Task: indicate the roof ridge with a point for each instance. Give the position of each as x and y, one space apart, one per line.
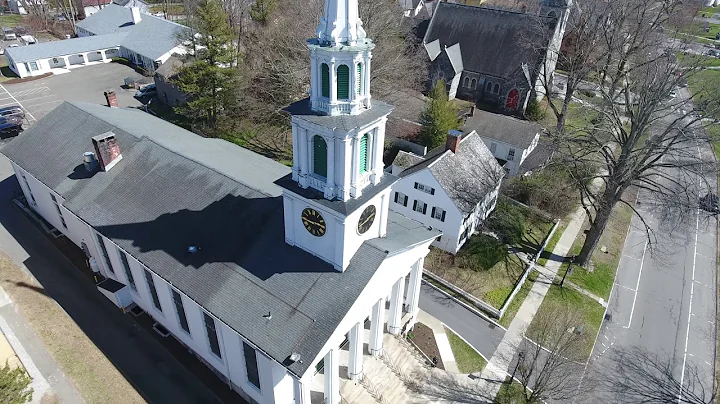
483 7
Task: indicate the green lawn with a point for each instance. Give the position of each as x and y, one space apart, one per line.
10 20
698 29
708 11
688 60
566 298
514 306
468 359
601 279
176 9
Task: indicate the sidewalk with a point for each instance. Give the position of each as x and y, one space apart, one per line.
497 369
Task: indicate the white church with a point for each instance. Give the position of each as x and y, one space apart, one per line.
262 271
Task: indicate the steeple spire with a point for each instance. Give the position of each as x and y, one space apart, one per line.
340 23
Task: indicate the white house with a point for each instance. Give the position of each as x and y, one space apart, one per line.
113 31
262 271
509 139
93 6
453 188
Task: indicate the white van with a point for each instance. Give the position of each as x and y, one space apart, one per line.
8 34
28 39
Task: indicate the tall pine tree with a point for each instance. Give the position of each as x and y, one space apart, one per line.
211 81
439 117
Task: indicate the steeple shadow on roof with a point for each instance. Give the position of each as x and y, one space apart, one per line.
238 232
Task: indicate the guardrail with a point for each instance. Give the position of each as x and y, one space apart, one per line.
467 296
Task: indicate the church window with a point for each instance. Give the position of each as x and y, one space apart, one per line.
343 82
488 87
325 72
473 83
212 336
497 89
364 154
512 99
358 79
319 156
466 82
251 365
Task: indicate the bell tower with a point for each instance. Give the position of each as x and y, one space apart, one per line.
338 140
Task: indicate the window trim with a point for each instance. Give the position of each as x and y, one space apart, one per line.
247 347
100 244
152 288
180 305
325 80
126 267
206 316
435 209
346 89
425 188
397 196
415 205
314 156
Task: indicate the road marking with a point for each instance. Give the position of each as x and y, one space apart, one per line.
37 98
692 289
47 102
632 258
28 112
637 286
625 287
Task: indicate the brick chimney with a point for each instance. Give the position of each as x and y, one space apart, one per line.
111 99
453 141
107 150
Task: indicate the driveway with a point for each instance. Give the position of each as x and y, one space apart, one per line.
85 84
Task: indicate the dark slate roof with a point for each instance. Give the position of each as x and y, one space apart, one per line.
502 128
345 123
170 68
492 41
337 205
466 176
539 157
45 50
151 37
173 189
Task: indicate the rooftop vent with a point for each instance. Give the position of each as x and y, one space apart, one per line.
192 249
90 161
294 357
267 316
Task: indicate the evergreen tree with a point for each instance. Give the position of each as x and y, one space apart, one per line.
211 80
260 11
14 385
439 117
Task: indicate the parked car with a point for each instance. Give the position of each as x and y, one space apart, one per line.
21 30
9 34
13 110
146 91
28 39
709 203
10 126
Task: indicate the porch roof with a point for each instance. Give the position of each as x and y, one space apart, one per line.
47 50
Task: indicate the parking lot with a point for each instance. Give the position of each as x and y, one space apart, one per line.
85 84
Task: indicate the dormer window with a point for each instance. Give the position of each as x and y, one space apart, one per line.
319 156
343 82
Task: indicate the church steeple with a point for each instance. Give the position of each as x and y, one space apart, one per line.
341 23
340 61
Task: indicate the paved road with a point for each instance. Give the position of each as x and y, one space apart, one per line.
484 335
663 302
151 369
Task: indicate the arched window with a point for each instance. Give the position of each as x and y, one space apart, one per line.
364 154
343 82
512 99
473 83
325 73
358 79
466 82
497 89
488 87
319 156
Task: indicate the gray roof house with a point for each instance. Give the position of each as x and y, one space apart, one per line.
509 139
113 31
453 188
499 66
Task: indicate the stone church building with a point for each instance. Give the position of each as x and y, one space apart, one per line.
487 55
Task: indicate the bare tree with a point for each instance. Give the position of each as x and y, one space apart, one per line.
638 376
638 138
549 364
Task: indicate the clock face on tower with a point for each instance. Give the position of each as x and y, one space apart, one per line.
366 219
313 222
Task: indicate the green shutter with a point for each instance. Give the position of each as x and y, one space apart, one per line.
363 154
343 82
358 79
325 71
319 156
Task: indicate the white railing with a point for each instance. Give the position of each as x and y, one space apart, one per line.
320 104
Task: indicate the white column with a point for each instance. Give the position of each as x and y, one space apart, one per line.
305 148
355 158
296 152
85 59
371 151
377 327
333 83
330 184
314 94
366 72
102 52
413 295
346 150
332 377
379 149
67 62
352 67
355 366
396 304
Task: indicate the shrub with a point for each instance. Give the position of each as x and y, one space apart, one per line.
482 252
534 111
552 190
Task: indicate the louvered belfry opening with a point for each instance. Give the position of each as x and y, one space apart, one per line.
343 82
363 154
325 72
319 156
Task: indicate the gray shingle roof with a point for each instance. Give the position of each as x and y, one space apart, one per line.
173 189
466 176
151 37
44 50
492 41
406 160
502 128
301 110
